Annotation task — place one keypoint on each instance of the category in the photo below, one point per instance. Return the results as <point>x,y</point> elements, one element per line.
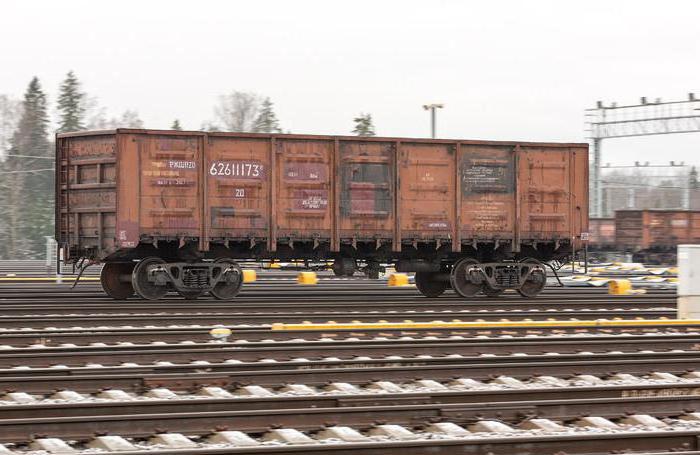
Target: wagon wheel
<point>458,278</point>
<point>371,273</point>
<point>225,290</point>
<point>428,285</point>
<point>535,282</point>
<point>111,281</point>
<point>491,292</point>
<point>139,279</point>
<point>344,267</point>
<point>190,295</point>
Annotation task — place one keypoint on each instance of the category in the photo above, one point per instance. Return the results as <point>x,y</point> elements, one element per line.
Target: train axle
<point>468,277</point>
<point>151,278</point>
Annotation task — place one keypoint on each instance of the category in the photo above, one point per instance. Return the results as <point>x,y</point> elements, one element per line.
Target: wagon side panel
<point>487,186</point>
<point>86,197</point>
<point>629,230</point>
<point>366,195</point>
<point>602,232</point>
<point>427,182</point>
<point>303,189</point>
<point>169,198</point>
<point>694,227</point>
<point>237,170</point>
<point>544,191</point>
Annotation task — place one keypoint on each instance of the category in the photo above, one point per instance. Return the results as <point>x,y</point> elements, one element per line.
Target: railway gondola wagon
<point>171,210</point>
<point>653,235</point>
<point>601,240</point>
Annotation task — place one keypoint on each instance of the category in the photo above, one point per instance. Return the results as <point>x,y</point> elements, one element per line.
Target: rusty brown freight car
<point>652,235</point>
<point>602,233</point>
<point>168,210</point>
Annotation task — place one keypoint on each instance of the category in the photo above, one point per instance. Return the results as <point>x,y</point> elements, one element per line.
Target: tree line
<point>27,157</point>
<point>252,113</point>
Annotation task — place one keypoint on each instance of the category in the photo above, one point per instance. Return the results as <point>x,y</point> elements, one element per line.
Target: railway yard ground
<point>348,366</point>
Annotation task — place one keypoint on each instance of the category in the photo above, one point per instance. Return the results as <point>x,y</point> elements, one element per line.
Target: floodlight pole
<point>432,108</point>
<point>597,183</point>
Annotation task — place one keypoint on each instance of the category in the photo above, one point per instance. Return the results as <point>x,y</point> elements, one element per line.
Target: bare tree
<point>95,115</point>
<point>128,119</point>
<point>210,127</point>
<point>10,113</point>
<point>237,111</point>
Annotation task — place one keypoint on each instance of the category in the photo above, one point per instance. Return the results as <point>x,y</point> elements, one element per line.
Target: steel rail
<point>305,419</point>
<point>480,401</point>
<point>185,377</point>
<point>53,337</point>
<point>215,352</point>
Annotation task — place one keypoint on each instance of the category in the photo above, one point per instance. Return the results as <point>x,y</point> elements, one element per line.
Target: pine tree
<point>364,125</point>
<point>71,105</point>
<point>27,182</point>
<point>176,125</point>
<point>266,121</point>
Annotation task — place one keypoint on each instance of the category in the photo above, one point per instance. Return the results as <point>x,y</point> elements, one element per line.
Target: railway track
<point>260,299</point>
<point>483,436</point>
<point>251,319</point>
<point>126,352</point>
<point>150,334</point>
<point>81,373</point>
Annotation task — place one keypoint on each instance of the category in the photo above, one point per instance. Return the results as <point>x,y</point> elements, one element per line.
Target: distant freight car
<point>167,210</point>
<point>601,240</point>
<point>653,235</point>
<point>602,234</point>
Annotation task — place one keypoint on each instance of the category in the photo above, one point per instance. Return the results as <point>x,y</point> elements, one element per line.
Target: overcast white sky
<point>504,69</point>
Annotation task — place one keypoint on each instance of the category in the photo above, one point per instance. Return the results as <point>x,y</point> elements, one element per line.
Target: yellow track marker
<point>491,324</point>
<point>220,332</point>
<point>398,279</point>
<point>619,287</point>
<point>249,275</point>
<point>307,278</point>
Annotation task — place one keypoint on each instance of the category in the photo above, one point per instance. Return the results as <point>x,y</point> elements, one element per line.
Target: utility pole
<point>597,184</point>
<point>432,108</point>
